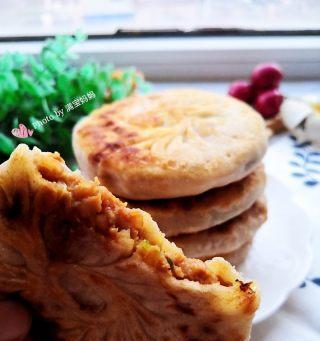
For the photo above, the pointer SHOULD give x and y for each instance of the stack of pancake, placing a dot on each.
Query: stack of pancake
(190, 158)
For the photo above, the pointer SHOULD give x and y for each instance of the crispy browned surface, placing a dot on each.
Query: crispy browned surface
(225, 238)
(170, 144)
(101, 271)
(214, 207)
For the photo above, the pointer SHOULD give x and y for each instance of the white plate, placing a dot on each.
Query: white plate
(281, 253)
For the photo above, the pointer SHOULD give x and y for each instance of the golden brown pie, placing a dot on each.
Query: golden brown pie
(170, 144)
(225, 238)
(101, 271)
(200, 212)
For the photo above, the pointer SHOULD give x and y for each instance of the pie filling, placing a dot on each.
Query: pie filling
(83, 209)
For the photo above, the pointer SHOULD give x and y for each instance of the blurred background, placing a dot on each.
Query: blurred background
(34, 18)
(175, 40)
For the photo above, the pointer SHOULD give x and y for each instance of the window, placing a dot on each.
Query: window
(180, 39)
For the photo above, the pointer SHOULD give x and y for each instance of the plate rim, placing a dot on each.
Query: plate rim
(307, 259)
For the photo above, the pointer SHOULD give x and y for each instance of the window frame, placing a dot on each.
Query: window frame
(198, 58)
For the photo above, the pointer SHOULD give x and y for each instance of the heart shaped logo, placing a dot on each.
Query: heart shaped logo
(22, 131)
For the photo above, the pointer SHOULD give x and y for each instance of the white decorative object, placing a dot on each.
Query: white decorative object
(302, 117)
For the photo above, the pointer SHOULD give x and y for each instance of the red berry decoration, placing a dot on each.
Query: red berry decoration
(268, 103)
(241, 90)
(262, 92)
(267, 76)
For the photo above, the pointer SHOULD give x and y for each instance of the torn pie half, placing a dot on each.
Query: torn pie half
(102, 271)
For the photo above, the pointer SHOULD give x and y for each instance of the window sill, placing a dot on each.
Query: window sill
(200, 58)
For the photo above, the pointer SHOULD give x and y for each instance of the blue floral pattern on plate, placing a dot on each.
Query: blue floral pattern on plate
(315, 280)
(305, 163)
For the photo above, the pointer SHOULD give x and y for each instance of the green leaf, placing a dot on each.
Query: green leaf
(80, 36)
(51, 61)
(6, 62)
(15, 122)
(31, 87)
(3, 114)
(12, 84)
(87, 71)
(6, 144)
(45, 106)
(19, 60)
